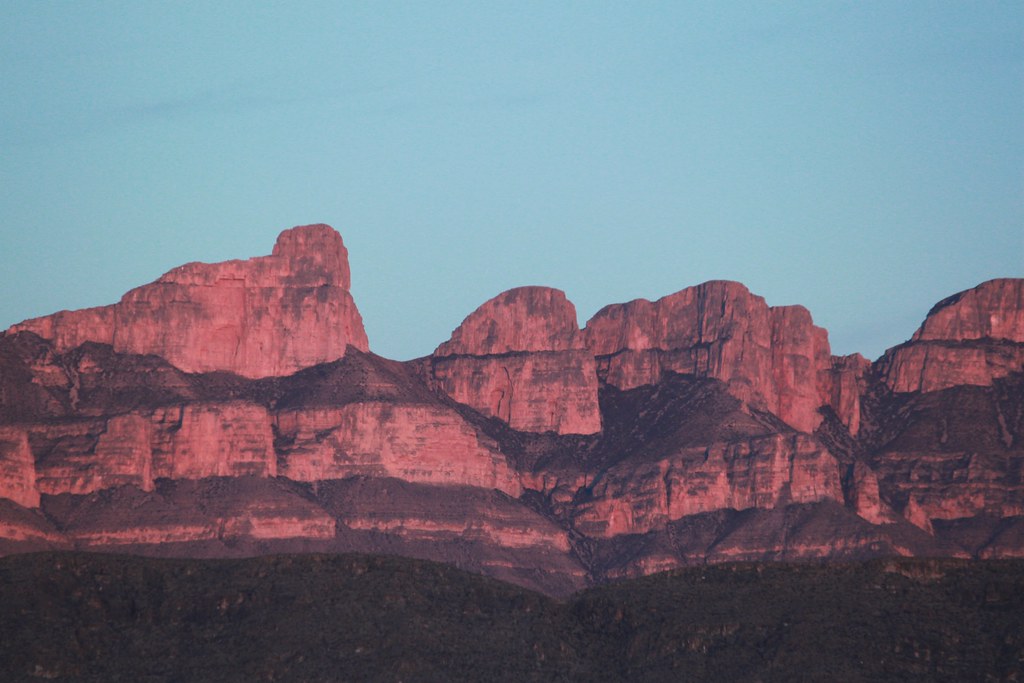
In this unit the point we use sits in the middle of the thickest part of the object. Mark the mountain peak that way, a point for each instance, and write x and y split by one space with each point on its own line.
517 320
992 310
317 247
268 315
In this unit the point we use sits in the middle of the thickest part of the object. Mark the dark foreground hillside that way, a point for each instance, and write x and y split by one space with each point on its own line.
66 616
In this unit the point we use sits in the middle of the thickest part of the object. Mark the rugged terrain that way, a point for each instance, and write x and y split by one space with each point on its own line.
235 409
87 617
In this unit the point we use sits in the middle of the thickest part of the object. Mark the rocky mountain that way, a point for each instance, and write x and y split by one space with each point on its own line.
234 409
262 317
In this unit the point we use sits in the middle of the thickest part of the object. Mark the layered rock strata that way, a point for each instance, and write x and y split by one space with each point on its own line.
417 443
27 530
638 497
787 533
191 441
955 454
204 515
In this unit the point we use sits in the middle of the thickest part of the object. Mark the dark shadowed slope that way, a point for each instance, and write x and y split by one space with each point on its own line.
80 617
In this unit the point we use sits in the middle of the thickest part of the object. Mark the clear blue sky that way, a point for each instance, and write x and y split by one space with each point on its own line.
864 159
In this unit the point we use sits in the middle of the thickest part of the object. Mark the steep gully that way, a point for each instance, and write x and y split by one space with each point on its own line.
234 409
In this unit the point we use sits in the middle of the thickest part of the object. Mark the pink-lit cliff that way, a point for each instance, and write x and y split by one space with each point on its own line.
266 316
234 408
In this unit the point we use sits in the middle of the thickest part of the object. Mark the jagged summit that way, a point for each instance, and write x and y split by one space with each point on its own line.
233 408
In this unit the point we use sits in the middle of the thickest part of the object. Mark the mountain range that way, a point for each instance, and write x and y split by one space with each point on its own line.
235 409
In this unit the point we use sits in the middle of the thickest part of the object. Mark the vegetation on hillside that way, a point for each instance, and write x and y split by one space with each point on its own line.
90 617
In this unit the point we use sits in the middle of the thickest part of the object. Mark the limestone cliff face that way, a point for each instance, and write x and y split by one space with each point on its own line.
414 442
17 468
775 359
765 473
520 357
970 338
470 513
179 442
213 440
801 364
954 454
266 316
846 383
83 456
864 496
951 447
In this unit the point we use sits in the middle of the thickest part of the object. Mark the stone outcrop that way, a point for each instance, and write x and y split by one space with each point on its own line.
17 468
775 359
970 338
124 451
25 529
213 440
212 516
82 456
469 513
798 532
414 442
864 497
191 441
239 516
520 357
846 383
952 448
934 366
954 454
638 497
266 316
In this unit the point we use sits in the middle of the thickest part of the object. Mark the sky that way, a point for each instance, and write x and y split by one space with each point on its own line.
863 159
